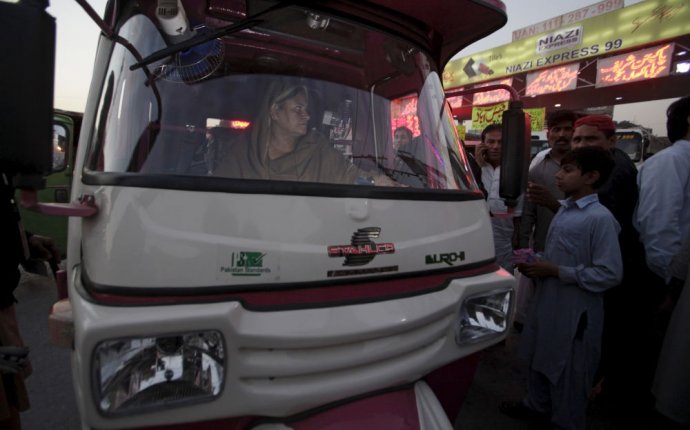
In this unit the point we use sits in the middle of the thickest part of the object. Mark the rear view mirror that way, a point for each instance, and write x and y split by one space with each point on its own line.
400 57
59 148
515 152
27 43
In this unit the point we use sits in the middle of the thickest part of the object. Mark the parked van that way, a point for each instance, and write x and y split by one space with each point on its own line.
634 142
66 127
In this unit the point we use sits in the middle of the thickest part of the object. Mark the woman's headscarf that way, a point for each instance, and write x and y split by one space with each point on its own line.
277 92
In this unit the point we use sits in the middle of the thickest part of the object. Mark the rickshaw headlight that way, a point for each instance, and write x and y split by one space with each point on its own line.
483 316
148 373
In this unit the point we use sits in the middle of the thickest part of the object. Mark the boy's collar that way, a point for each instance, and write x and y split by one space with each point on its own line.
581 202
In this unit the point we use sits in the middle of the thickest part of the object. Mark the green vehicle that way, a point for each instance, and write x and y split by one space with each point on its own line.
66 126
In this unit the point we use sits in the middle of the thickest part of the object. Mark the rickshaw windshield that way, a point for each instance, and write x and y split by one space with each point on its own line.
301 97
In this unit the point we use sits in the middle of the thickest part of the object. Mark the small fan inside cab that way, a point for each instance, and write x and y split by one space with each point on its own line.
195 63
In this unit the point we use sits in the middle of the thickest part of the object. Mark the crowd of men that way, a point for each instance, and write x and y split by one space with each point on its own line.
596 316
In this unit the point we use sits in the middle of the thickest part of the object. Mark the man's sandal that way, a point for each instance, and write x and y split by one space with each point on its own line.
13 358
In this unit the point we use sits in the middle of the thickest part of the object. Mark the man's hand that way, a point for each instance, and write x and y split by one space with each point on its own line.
538 269
43 247
480 153
538 194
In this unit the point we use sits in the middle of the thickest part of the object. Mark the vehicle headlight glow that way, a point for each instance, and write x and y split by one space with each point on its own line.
145 373
483 316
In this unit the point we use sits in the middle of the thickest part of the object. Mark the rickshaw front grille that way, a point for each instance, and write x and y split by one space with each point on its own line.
277 366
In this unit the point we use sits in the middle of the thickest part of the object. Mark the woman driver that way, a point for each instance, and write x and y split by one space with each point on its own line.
281 147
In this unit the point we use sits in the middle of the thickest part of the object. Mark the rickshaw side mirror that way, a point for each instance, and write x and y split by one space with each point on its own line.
515 152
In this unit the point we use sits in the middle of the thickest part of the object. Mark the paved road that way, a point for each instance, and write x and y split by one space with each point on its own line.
53 406
501 376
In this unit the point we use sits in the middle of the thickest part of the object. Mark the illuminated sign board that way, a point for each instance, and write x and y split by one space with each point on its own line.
554 80
404 114
628 136
462 131
495 96
237 124
537 118
636 25
455 102
634 66
483 116
578 15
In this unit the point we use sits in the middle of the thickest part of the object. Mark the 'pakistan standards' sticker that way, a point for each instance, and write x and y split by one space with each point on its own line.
245 263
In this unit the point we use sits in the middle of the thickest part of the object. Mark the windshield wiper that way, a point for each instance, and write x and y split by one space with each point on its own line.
248 22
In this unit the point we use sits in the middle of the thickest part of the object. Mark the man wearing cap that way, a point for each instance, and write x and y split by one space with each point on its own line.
618 194
625 386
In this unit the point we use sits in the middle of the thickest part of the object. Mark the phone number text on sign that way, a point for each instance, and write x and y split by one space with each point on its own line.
591 11
568 18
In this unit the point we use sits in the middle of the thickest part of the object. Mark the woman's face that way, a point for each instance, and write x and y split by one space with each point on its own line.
291 117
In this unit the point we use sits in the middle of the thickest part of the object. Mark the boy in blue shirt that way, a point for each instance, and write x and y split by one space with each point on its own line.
562 337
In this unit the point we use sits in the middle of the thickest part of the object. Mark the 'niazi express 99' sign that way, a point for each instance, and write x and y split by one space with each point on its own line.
640 24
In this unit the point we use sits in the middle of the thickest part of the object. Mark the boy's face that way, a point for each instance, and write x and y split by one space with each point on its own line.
573 182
